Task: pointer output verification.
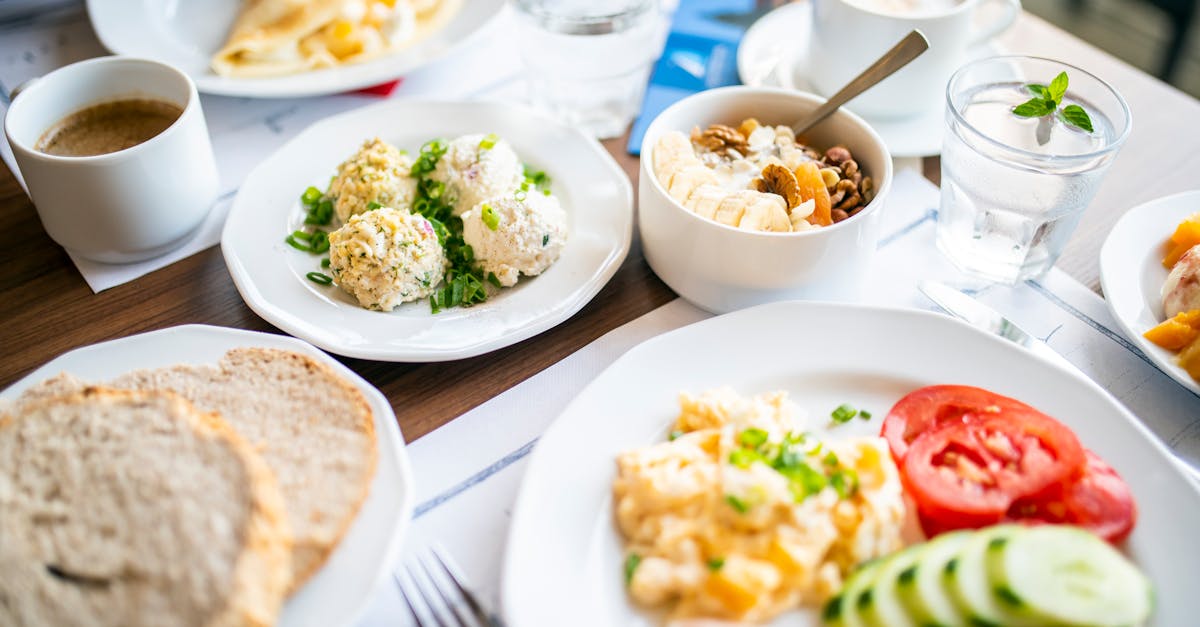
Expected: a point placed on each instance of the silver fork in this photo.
(440, 595)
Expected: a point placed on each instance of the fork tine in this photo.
(452, 604)
(406, 595)
(428, 598)
(457, 578)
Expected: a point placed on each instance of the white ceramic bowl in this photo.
(722, 268)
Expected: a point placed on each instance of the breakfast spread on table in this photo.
(275, 37)
(760, 178)
(743, 514)
(256, 466)
(464, 215)
(1180, 331)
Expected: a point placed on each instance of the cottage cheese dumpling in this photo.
(377, 173)
(478, 167)
(1181, 291)
(386, 257)
(512, 236)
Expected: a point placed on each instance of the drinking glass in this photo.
(588, 60)
(1014, 188)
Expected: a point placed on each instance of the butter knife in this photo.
(985, 318)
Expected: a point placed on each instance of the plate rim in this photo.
(1113, 282)
(287, 85)
(546, 320)
(519, 512)
(375, 399)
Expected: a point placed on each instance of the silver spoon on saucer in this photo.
(899, 56)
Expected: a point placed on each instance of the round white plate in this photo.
(271, 275)
(774, 53)
(563, 562)
(341, 590)
(187, 34)
(1132, 274)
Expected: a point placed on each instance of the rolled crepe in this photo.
(274, 37)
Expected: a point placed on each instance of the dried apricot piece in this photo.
(808, 178)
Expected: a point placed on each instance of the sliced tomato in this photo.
(1096, 499)
(968, 475)
(931, 407)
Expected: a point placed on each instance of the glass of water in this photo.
(1014, 188)
(587, 61)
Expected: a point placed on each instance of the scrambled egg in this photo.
(512, 236)
(476, 168)
(378, 173)
(386, 257)
(742, 515)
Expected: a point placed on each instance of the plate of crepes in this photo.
(810, 464)
(428, 231)
(289, 48)
(1150, 272)
(197, 475)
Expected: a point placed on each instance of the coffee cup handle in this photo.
(16, 91)
(1012, 10)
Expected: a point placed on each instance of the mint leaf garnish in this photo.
(1034, 108)
(1046, 100)
(1057, 88)
(1077, 117)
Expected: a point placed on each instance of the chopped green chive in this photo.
(716, 563)
(317, 277)
(545, 239)
(489, 216)
(864, 414)
(843, 413)
(631, 564)
(738, 504)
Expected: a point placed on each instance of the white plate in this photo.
(341, 590)
(271, 275)
(187, 34)
(564, 553)
(1132, 274)
(774, 53)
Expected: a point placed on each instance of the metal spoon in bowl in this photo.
(899, 56)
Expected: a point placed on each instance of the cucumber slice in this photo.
(922, 587)
(842, 610)
(1065, 575)
(886, 608)
(966, 577)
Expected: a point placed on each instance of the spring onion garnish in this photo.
(537, 178)
(319, 241)
(488, 141)
(325, 262)
(491, 278)
(631, 564)
(427, 160)
(372, 206)
(520, 195)
(744, 457)
(545, 239)
(291, 240)
(843, 413)
(752, 437)
(864, 414)
(310, 196)
(489, 217)
(737, 504)
(672, 436)
(317, 277)
(845, 482)
(831, 459)
(716, 563)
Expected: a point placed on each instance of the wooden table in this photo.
(46, 307)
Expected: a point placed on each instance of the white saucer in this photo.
(774, 53)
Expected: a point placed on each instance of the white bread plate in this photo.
(340, 591)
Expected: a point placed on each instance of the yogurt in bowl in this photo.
(765, 240)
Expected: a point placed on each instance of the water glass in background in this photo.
(587, 61)
(1013, 188)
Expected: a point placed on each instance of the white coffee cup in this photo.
(848, 35)
(123, 206)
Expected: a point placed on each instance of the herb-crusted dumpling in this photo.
(378, 173)
(386, 257)
(516, 234)
(477, 167)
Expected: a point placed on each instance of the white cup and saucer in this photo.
(819, 45)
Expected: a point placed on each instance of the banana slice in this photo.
(767, 212)
(800, 213)
(688, 179)
(705, 199)
(731, 210)
(673, 153)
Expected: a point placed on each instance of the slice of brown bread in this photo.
(133, 508)
(312, 427)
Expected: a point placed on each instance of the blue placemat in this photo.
(700, 53)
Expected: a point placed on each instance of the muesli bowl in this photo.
(723, 268)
